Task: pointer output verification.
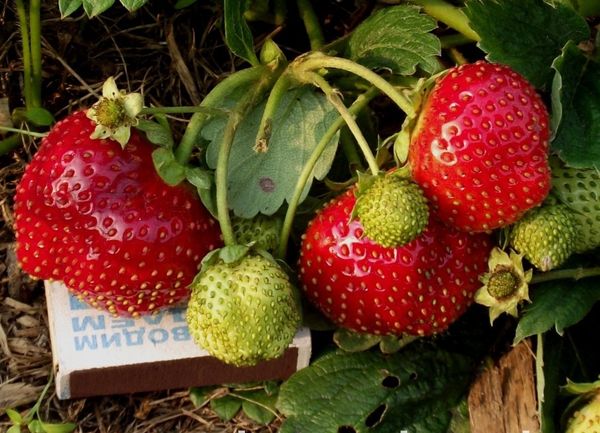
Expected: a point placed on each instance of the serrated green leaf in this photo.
(66, 427)
(156, 133)
(39, 116)
(576, 108)
(413, 390)
(184, 3)
(226, 407)
(167, 166)
(397, 38)
(67, 7)
(96, 7)
(14, 416)
(525, 34)
(259, 406)
(557, 305)
(262, 181)
(237, 33)
(133, 5)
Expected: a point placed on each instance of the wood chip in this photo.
(28, 321)
(20, 306)
(503, 398)
(4, 342)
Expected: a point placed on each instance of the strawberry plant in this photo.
(374, 187)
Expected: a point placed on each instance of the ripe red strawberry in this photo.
(480, 148)
(419, 288)
(99, 218)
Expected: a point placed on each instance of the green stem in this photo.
(359, 104)
(23, 23)
(311, 24)
(24, 132)
(235, 117)
(281, 86)
(316, 61)
(335, 100)
(216, 95)
(208, 111)
(566, 274)
(350, 151)
(449, 41)
(9, 143)
(35, 26)
(450, 15)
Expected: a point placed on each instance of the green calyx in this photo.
(579, 190)
(243, 312)
(546, 236)
(505, 285)
(262, 231)
(392, 210)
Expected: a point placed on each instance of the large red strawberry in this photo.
(480, 148)
(418, 288)
(99, 218)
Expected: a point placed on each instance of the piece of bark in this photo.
(503, 398)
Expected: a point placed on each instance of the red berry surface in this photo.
(100, 219)
(419, 288)
(480, 149)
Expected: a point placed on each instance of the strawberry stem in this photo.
(235, 117)
(311, 24)
(335, 100)
(35, 28)
(359, 104)
(208, 111)
(24, 25)
(214, 97)
(317, 60)
(282, 84)
(23, 132)
(450, 15)
(566, 274)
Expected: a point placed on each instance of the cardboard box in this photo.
(97, 354)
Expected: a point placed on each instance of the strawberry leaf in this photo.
(184, 3)
(39, 116)
(413, 390)
(156, 133)
(14, 416)
(557, 305)
(133, 5)
(525, 34)
(167, 166)
(261, 181)
(226, 407)
(396, 38)
(237, 33)
(96, 7)
(259, 406)
(67, 7)
(576, 108)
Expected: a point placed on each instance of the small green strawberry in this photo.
(262, 231)
(392, 210)
(243, 308)
(584, 411)
(579, 189)
(546, 236)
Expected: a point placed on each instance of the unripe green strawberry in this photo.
(392, 210)
(580, 190)
(586, 419)
(262, 231)
(546, 236)
(243, 312)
